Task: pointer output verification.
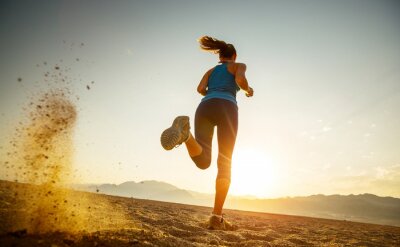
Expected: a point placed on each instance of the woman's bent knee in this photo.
(202, 161)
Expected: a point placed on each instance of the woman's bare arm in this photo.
(202, 87)
(240, 78)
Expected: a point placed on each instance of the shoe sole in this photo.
(170, 137)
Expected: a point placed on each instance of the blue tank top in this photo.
(221, 84)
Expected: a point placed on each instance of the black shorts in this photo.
(223, 114)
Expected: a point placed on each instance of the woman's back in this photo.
(221, 83)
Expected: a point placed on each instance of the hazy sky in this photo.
(325, 117)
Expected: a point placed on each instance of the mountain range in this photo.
(366, 208)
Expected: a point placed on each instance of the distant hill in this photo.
(363, 208)
(154, 190)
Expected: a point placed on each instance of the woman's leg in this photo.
(227, 131)
(224, 114)
(199, 148)
(193, 147)
(221, 191)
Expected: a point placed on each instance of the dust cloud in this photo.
(41, 153)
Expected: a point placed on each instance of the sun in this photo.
(253, 174)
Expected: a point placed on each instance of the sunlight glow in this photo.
(253, 174)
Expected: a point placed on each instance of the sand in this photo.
(135, 222)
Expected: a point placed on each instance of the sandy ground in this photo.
(117, 221)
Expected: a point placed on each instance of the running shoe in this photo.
(219, 223)
(176, 134)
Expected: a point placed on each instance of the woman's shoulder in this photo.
(242, 65)
(210, 70)
(233, 67)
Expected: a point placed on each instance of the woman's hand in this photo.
(250, 92)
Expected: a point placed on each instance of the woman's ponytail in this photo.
(211, 44)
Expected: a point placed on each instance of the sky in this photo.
(324, 119)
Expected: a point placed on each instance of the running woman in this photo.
(217, 108)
